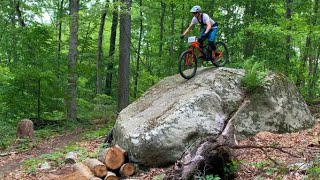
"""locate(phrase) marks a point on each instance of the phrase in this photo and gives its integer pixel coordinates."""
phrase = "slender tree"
(19, 13)
(124, 54)
(163, 10)
(99, 52)
(313, 57)
(59, 32)
(288, 38)
(110, 61)
(136, 78)
(249, 14)
(171, 51)
(72, 75)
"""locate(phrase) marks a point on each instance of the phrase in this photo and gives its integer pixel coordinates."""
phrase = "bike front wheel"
(187, 64)
(224, 58)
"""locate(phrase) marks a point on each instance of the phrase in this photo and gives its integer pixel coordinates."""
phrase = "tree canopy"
(281, 36)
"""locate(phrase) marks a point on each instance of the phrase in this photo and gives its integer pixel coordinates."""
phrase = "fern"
(255, 75)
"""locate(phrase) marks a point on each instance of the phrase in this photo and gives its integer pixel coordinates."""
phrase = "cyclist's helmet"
(195, 9)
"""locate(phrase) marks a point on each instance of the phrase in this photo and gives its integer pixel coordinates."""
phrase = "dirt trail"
(13, 162)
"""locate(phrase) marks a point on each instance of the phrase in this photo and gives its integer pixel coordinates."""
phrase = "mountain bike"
(188, 60)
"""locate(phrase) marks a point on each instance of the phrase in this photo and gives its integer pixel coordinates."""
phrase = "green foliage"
(23, 145)
(159, 177)
(7, 134)
(269, 169)
(55, 159)
(254, 76)
(33, 74)
(313, 172)
(208, 177)
(98, 133)
(31, 165)
(102, 106)
(231, 167)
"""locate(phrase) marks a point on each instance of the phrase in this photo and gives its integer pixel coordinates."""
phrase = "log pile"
(111, 164)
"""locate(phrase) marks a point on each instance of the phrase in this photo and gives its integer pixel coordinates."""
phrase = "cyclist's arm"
(209, 25)
(188, 29)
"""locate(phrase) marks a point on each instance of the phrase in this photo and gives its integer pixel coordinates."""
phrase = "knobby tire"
(222, 47)
(187, 64)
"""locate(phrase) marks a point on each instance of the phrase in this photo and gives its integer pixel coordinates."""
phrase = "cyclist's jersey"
(203, 19)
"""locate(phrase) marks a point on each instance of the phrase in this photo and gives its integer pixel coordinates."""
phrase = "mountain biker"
(209, 29)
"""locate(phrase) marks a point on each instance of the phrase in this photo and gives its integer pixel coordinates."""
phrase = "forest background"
(82, 60)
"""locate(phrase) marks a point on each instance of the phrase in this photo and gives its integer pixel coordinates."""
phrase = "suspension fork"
(189, 57)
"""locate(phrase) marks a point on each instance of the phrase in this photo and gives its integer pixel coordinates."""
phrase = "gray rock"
(276, 107)
(45, 166)
(159, 127)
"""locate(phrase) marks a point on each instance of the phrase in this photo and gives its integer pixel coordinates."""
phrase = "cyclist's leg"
(202, 30)
(212, 38)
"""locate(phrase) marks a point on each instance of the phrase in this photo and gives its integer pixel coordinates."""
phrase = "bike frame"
(196, 45)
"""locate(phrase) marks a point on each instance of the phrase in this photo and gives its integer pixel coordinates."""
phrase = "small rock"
(45, 166)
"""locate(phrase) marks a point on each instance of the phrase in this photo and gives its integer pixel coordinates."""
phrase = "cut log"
(127, 169)
(84, 170)
(97, 167)
(124, 152)
(111, 176)
(112, 157)
(71, 158)
(95, 178)
(73, 176)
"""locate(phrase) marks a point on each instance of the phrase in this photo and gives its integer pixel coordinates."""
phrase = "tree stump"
(112, 157)
(25, 129)
(97, 167)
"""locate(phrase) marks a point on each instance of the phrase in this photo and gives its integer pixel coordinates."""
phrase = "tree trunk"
(111, 50)
(163, 11)
(139, 49)
(99, 53)
(72, 76)
(124, 55)
(249, 14)
(97, 167)
(310, 57)
(171, 51)
(19, 14)
(59, 34)
(13, 52)
(39, 99)
(288, 38)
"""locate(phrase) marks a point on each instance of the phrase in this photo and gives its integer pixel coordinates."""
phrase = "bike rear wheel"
(224, 59)
(187, 64)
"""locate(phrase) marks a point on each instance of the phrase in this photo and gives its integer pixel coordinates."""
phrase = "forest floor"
(303, 147)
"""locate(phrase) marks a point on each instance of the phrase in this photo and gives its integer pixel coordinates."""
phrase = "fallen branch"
(7, 154)
(261, 148)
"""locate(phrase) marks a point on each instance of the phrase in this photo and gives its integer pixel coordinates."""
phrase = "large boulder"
(166, 121)
(276, 107)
